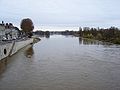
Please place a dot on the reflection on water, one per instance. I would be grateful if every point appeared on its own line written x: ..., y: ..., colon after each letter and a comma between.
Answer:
x: 80, y: 41
x: 47, y: 36
x: 85, y: 41
x: 3, y: 65
x: 29, y: 51
x: 89, y: 42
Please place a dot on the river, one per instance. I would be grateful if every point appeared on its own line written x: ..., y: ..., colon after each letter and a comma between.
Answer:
x: 63, y: 63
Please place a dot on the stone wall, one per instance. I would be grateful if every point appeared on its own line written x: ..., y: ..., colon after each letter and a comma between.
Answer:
x: 11, y: 48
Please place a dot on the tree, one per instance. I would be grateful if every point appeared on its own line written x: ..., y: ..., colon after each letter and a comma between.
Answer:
x: 27, y: 25
x: 80, y: 32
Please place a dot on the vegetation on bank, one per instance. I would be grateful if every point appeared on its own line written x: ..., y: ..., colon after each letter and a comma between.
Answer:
x: 42, y: 33
x: 111, y: 34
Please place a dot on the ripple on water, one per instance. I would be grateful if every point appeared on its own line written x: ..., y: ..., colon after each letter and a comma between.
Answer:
x: 63, y: 63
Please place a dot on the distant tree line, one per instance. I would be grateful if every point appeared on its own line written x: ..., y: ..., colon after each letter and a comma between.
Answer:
x: 67, y: 32
x: 42, y: 33
x: 111, y: 34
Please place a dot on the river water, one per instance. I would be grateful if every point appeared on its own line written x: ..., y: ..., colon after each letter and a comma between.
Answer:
x: 63, y: 63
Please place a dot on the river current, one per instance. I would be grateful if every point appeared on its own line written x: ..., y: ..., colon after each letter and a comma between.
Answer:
x: 63, y: 63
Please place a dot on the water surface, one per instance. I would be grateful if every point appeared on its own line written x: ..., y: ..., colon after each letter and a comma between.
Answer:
x: 63, y: 63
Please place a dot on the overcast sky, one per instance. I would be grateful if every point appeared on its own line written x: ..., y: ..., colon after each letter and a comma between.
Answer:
x: 93, y: 13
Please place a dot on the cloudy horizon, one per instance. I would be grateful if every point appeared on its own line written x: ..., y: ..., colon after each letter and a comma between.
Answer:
x: 92, y: 13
